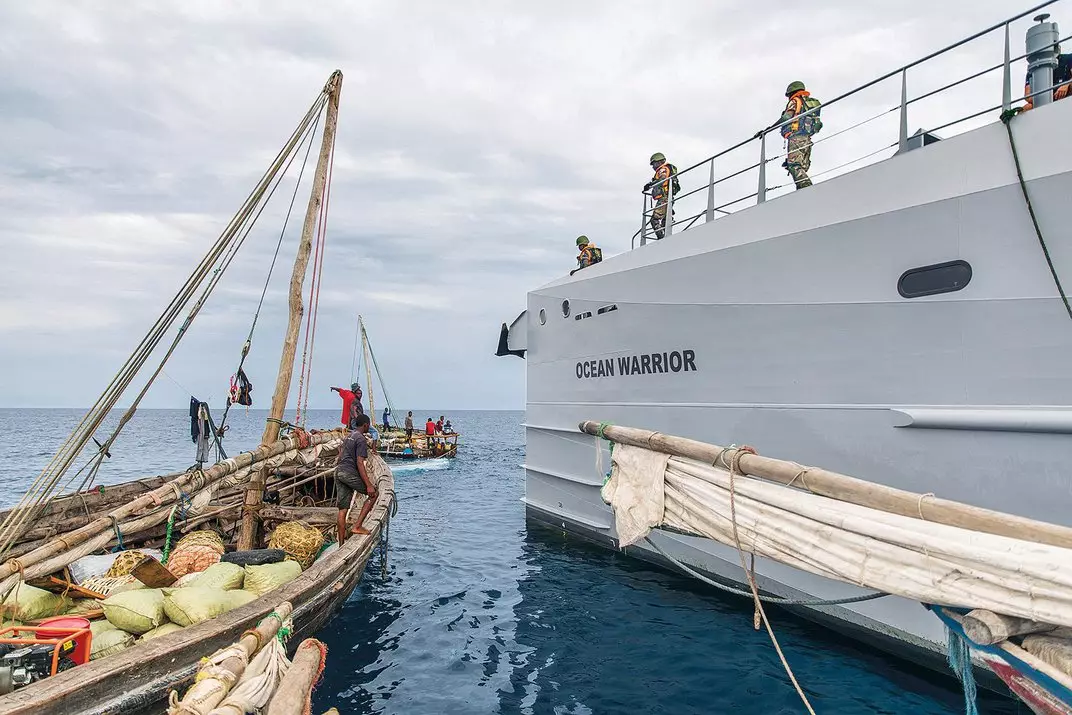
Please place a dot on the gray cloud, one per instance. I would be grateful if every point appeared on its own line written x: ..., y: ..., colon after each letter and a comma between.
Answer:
x: 476, y: 140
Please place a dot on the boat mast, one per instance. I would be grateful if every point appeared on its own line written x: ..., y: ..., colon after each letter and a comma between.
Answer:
x: 297, y: 278
x: 254, y: 496
x: 368, y: 370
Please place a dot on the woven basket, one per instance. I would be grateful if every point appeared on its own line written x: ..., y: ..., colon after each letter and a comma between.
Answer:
x: 124, y: 563
x: 300, y: 541
x: 201, y: 538
x: 106, y: 586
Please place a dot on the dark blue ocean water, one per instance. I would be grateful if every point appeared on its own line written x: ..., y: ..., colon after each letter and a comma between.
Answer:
x: 480, y: 614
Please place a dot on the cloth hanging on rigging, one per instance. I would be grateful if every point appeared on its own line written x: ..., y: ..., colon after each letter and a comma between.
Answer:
x: 203, y: 432
x: 195, y: 426
x: 240, y: 389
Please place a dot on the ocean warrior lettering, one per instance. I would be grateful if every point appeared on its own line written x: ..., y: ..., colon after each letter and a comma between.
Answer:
x: 644, y: 364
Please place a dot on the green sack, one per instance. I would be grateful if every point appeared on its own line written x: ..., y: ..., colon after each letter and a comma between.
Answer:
x: 108, y: 642
x: 239, y: 598
x: 161, y: 631
x: 96, y: 628
x: 268, y: 577
x: 221, y: 575
x: 29, y: 603
x: 193, y: 604
x: 135, y: 612
x: 82, y: 606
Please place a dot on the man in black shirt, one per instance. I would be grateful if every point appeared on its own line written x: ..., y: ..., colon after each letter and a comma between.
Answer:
x: 351, y: 477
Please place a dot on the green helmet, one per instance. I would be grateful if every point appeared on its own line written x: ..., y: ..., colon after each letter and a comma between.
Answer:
x: 794, y: 87
x: 657, y: 156
x: 582, y: 240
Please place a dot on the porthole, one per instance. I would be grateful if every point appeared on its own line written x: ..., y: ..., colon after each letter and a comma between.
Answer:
x: 946, y: 277
x: 543, y: 317
x: 565, y: 309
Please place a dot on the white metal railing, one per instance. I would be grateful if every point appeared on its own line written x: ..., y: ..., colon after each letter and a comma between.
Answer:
x: 701, y: 203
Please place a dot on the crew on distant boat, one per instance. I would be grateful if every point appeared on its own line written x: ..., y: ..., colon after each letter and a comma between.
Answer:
x: 351, y: 404
x: 352, y: 478
x: 386, y: 418
x: 797, y: 132
x: 447, y: 428
x: 660, y: 184
x: 429, y: 428
x: 409, y: 425
x: 439, y: 425
x: 589, y: 254
x: 1062, y: 73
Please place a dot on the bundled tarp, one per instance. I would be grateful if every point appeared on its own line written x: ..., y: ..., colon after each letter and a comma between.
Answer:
x: 930, y: 562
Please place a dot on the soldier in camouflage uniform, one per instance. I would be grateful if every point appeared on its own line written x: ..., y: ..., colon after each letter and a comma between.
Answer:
x: 798, y: 132
x: 660, y: 186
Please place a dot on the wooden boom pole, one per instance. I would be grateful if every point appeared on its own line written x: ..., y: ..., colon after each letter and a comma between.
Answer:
x: 297, y: 278
x: 247, y: 535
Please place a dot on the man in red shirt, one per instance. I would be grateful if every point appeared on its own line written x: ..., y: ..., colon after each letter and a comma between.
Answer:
x: 429, y: 427
x: 351, y: 404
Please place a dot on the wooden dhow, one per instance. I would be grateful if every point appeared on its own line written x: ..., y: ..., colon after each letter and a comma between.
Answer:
x: 288, y: 479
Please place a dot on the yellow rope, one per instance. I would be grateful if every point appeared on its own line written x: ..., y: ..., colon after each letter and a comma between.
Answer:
x: 760, y: 614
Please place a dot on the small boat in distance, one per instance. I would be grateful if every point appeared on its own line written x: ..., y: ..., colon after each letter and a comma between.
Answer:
x: 395, y: 442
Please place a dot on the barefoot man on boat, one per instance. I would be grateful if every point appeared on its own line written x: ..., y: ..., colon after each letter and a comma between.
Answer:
x: 352, y: 479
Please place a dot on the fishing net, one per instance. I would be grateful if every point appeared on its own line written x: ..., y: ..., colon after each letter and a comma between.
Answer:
x: 192, y: 559
x: 300, y: 541
x: 195, y: 552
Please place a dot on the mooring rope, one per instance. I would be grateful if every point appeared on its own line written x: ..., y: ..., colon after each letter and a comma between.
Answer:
x: 761, y: 614
x: 1006, y: 119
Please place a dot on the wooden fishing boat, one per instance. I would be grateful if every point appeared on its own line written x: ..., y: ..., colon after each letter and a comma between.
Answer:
x: 288, y: 478
x: 1000, y: 583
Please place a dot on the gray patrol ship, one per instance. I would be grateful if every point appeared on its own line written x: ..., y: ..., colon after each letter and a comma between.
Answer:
x: 901, y: 321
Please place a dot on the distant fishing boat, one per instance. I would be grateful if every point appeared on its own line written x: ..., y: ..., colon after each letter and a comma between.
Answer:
x: 232, y: 513
x: 393, y: 442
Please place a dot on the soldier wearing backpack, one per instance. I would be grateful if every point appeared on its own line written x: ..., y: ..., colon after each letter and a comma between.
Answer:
x: 660, y: 185
x: 798, y: 130
x: 589, y: 254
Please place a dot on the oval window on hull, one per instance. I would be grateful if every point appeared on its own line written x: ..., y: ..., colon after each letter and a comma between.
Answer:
x: 931, y: 280
x: 565, y: 309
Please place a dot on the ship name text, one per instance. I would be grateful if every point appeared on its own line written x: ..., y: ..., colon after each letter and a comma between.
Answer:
x: 645, y: 364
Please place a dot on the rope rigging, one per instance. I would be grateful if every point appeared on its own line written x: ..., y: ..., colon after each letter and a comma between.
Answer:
x: 204, y: 277
x: 379, y: 376
x: 271, y: 268
x: 305, y: 376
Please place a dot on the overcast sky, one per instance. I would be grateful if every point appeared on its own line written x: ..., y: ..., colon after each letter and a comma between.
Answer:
x: 475, y: 141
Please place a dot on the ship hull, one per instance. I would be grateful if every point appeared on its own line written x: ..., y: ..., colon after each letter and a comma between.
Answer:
x: 787, y: 327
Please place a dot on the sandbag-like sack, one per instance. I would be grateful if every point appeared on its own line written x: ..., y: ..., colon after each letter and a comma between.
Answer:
x: 109, y: 642
x: 162, y: 630
x: 193, y: 604
x: 29, y: 603
x: 262, y: 579
x: 238, y: 598
x: 135, y: 612
x: 221, y: 575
